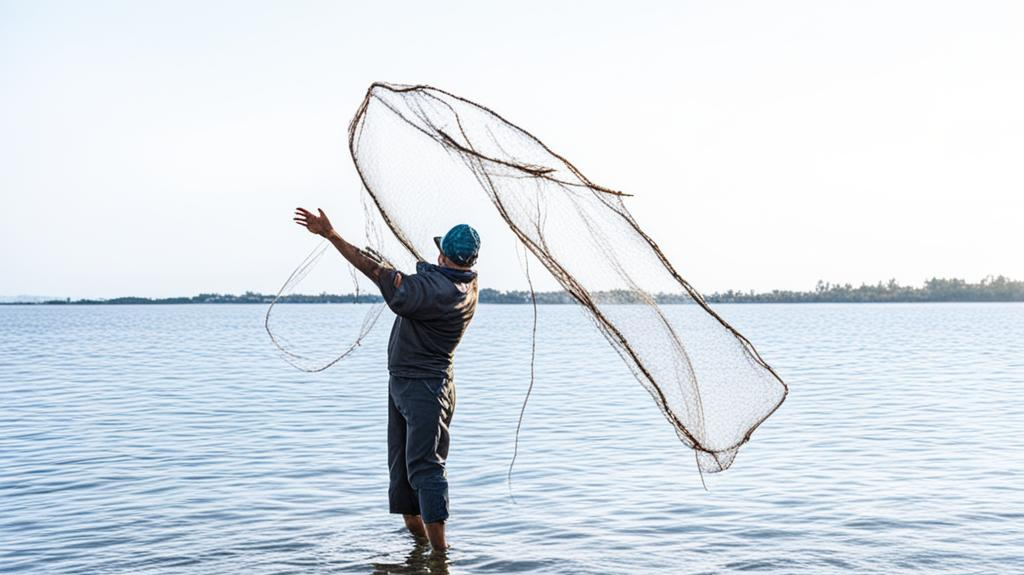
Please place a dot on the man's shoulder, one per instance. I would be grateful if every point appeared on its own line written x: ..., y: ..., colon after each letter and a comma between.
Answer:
x: 425, y: 282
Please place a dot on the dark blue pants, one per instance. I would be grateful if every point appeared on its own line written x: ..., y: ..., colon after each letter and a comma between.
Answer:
x: 419, y: 413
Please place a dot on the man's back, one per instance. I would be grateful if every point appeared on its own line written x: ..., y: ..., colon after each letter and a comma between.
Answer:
x: 433, y: 307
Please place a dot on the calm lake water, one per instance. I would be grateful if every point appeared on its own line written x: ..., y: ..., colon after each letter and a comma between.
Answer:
x: 173, y: 439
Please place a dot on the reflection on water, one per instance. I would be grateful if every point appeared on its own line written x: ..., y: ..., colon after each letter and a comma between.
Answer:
x: 419, y: 560
x: 171, y: 439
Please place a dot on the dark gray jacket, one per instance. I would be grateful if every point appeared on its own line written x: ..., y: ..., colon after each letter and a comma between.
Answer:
x: 434, y: 307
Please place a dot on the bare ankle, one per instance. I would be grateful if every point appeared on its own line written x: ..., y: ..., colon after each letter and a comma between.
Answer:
x: 415, y: 525
x: 435, y: 532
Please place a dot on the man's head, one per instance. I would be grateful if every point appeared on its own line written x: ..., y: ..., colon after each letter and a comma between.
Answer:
x: 459, y: 247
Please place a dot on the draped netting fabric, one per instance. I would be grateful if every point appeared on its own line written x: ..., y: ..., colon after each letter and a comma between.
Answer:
x: 423, y: 154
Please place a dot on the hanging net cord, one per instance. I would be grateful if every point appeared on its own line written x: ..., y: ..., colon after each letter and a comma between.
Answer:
x: 533, y: 374
x: 422, y: 152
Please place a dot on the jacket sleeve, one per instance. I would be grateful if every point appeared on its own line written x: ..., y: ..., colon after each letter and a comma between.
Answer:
x: 411, y: 299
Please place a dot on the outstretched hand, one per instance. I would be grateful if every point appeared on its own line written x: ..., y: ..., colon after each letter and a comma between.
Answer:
x: 318, y: 225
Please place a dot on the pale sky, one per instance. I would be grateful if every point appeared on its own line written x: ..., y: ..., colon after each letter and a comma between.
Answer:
x: 157, y: 148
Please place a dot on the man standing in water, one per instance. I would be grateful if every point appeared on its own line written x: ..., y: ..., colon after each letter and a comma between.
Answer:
x: 433, y: 309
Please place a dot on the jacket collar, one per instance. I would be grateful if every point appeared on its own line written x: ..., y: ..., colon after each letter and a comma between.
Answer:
x: 456, y: 276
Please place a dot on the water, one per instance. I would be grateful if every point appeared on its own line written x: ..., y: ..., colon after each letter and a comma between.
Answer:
x: 172, y: 439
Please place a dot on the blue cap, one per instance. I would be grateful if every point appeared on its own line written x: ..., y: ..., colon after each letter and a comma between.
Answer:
x: 461, y: 245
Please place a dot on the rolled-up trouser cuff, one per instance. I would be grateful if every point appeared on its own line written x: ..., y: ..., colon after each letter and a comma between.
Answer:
x: 403, y: 500
x: 433, y: 504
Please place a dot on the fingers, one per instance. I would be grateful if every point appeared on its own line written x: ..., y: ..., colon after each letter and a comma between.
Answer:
x: 306, y: 218
x: 302, y: 217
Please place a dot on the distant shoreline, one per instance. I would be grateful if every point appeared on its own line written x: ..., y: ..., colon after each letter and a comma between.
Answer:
x: 990, y: 289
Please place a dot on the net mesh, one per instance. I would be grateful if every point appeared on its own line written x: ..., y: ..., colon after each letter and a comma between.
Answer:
x: 424, y: 155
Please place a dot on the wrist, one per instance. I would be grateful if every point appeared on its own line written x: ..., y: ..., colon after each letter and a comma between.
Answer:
x: 328, y: 233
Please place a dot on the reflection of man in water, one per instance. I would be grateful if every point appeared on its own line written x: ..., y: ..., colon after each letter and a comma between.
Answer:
x: 433, y: 308
x: 419, y: 560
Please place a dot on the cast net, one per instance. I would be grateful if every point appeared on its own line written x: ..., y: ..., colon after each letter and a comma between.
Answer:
x: 423, y: 154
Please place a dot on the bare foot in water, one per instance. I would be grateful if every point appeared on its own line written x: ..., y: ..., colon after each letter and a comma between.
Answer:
x: 434, y: 532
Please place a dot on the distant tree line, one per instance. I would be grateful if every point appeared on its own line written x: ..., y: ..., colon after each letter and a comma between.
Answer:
x: 992, y: 288
x: 247, y: 297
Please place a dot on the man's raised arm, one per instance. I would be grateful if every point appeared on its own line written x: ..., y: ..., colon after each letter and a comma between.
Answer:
x: 321, y: 226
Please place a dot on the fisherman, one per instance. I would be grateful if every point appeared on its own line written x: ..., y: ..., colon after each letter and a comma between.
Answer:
x: 433, y: 307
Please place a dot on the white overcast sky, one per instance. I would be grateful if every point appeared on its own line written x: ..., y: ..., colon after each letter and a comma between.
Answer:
x: 157, y: 148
